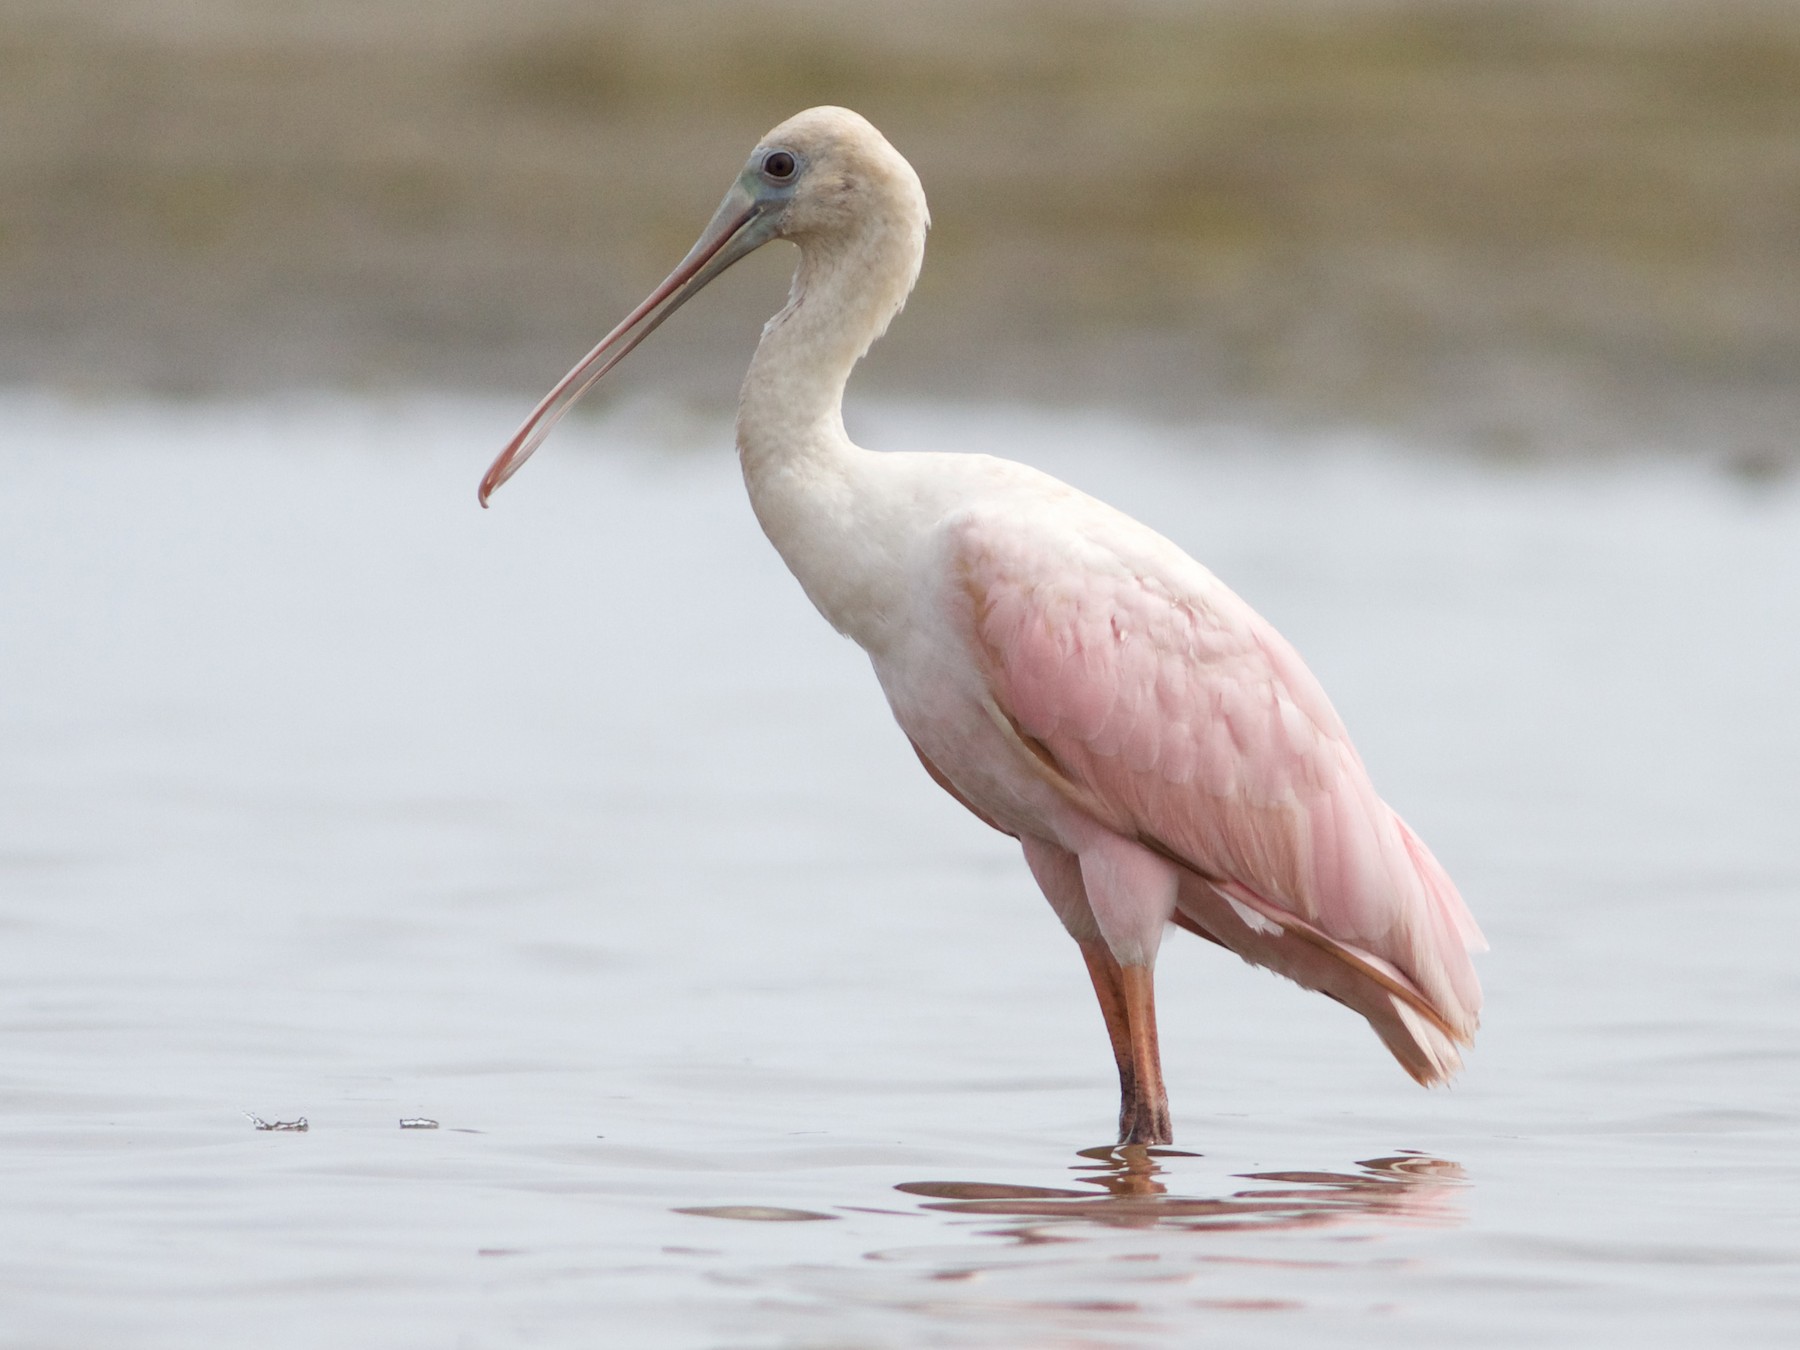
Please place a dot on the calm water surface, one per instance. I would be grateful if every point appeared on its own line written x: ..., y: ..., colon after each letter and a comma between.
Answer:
x: 571, y: 827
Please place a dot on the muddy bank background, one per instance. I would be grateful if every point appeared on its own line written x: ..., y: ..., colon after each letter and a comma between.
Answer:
x: 1523, y: 229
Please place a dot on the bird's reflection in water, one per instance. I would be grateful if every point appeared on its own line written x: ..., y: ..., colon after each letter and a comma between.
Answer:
x: 1126, y: 1190
x: 1117, y: 1254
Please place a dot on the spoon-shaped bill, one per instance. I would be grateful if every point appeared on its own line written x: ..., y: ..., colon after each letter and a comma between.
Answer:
x: 742, y: 224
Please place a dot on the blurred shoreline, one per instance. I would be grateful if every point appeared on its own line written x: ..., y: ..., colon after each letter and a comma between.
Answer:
x: 1522, y: 229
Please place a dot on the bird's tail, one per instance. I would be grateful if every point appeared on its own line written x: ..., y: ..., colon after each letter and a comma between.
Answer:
x: 1421, y: 1035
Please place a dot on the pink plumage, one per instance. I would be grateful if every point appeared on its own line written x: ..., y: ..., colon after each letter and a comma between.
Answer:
x: 1167, y: 700
x: 1071, y: 677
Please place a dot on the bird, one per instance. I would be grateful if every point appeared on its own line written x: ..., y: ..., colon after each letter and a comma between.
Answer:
x: 1073, y: 678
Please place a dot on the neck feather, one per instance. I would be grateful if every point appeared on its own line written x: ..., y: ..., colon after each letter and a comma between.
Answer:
x: 846, y: 290
x: 806, y: 480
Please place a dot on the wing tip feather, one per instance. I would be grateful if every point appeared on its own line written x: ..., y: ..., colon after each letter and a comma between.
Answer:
x: 1426, y: 1053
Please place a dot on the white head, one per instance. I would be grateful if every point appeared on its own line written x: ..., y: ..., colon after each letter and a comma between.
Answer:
x: 825, y: 179
x: 847, y: 178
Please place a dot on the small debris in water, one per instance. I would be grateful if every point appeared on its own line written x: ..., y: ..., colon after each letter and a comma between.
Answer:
x: 296, y: 1126
x: 764, y: 1213
x: 417, y: 1123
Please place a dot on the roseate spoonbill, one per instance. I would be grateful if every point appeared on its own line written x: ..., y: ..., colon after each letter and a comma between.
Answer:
x: 1071, y: 677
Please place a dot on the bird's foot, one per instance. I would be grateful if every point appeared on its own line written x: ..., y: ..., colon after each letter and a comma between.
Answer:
x: 1144, y: 1119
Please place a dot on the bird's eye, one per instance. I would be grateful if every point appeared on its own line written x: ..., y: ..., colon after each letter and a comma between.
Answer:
x: 779, y: 166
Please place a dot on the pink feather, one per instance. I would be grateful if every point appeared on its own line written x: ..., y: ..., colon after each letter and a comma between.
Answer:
x: 1162, y: 695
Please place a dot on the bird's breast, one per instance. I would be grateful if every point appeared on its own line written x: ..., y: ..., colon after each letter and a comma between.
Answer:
x: 940, y: 698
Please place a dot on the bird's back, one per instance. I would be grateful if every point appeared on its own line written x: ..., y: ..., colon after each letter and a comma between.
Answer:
x: 1169, y: 704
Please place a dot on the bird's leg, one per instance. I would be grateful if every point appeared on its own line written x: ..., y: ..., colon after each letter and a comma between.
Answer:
x: 1136, y: 890
x: 1144, y: 1117
x: 1128, y: 1002
x: 1132, y: 893
x: 1109, y: 988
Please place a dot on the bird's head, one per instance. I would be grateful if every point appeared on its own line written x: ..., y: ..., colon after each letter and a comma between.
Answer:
x: 822, y: 176
x: 847, y: 177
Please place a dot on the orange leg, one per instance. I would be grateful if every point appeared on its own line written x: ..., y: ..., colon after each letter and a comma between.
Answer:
x: 1127, y: 1002
x: 1109, y: 989
x: 1148, y: 1108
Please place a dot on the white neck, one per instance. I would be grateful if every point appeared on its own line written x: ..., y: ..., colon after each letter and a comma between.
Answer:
x: 800, y: 467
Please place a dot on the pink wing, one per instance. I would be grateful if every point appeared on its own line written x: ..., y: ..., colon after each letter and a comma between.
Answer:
x: 1172, y: 705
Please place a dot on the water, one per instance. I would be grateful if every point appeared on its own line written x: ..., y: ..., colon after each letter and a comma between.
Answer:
x: 570, y: 827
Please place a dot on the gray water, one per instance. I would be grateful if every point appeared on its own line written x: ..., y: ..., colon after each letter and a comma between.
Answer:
x: 569, y: 826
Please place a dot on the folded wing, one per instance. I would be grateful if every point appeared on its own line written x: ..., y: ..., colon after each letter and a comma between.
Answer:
x: 1179, y: 715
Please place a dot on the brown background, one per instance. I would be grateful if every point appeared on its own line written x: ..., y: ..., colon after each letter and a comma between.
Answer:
x: 1525, y: 228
